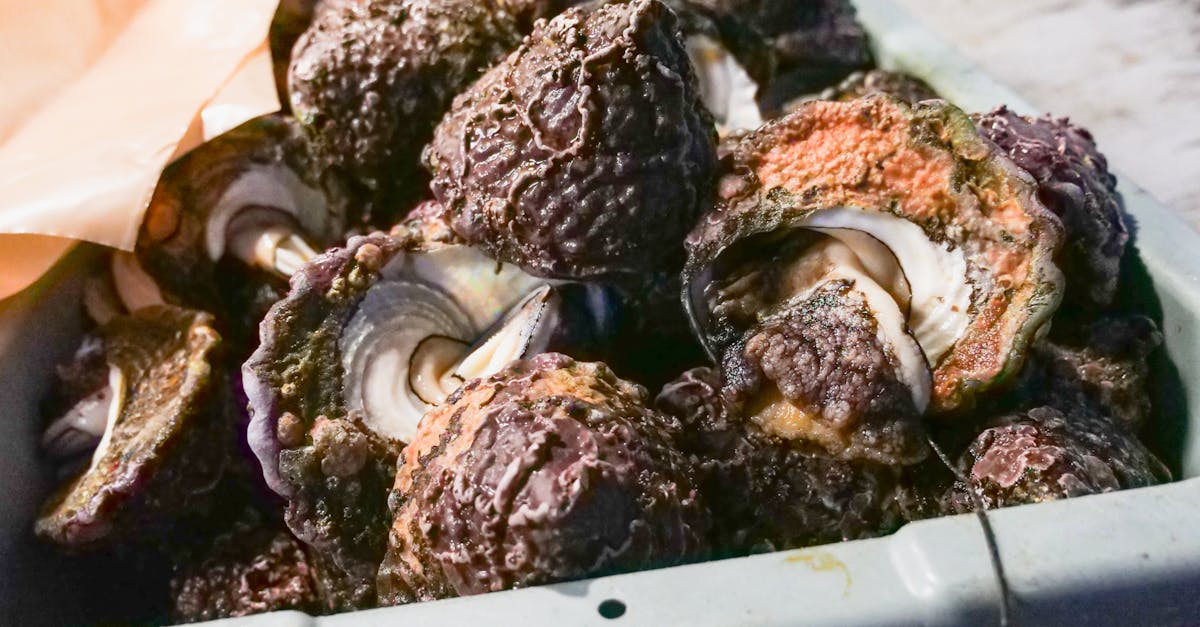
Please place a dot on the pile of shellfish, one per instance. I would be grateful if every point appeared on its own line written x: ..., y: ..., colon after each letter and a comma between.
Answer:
x: 605, y: 286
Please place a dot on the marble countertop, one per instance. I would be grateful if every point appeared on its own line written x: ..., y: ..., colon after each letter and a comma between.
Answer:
x: 1128, y: 70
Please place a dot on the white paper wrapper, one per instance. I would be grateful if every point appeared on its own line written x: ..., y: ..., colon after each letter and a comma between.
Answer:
x: 104, y: 93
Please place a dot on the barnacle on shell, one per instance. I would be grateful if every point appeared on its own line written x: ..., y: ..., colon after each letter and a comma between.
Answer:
x: 550, y: 470
x: 586, y: 153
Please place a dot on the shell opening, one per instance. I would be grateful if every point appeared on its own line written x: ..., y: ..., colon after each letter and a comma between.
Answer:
x: 831, y: 259
x: 869, y: 362
x: 276, y: 248
x: 940, y: 297
x: 431, y: 372
x: 521, y: 333
x: 87, y: 425
x: 261, y: 218
x: 432, y: 322
x: 804, y: 265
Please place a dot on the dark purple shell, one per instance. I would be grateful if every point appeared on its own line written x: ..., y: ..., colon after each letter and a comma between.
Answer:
x: 370, y: 79
x: 252, y: 568
x: 586, y: 152
x: 767, y: 494
x: 1104, y: 372
x: 1044, y: 455
x: 529, y: 12
x: 812, y: 44
x: 1074, y: 182
x: 551, y: 470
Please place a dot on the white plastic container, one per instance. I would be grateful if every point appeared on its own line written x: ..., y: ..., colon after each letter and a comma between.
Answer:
x: 1118, y: 559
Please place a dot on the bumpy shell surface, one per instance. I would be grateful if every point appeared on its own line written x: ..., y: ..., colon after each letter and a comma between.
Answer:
x: 173, y: 242
x: 371, y: 78
x: 767, y: 494
x: 169, y: 443
x: 586, y: 152
x: 1074, y: 182
x: 1105, y: 375
x: 926, y: 164
x: 551, y: 470
x: 528, y: 12
x: 1044, y: 455
x: 334, y: 470
x: 257, y: 566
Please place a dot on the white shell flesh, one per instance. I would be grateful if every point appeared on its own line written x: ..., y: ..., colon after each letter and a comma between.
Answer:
x: 275, y: 248
x: 892, y: 331
x: 117, y: 391
x: 725, y: 86
x: 134, y: 286
x: 512, y: 339
x: 378, y: 344
x: 431, y: 373
x: 935, y: 273
x: 406, y: 347
x: 267, y: 186
x: 86, y: 423
x: 877, y: 261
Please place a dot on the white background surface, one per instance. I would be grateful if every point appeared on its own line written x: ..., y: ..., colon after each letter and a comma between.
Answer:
x: 1128, y: 70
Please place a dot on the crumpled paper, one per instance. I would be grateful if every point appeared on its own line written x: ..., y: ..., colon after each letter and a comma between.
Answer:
x: 99, y: 95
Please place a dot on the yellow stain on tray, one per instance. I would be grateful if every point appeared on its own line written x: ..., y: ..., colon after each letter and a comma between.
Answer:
x: 822, y: 562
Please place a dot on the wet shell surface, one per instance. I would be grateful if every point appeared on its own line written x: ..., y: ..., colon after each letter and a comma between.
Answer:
x: 551, y: 470
x: 910, y: 187
x: 370, y: 338
x: 370, y: 79
x: 769, y: 493
x: 586, y: 153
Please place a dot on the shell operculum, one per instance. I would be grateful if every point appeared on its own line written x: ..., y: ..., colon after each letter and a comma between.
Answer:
x: 831, y: 260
